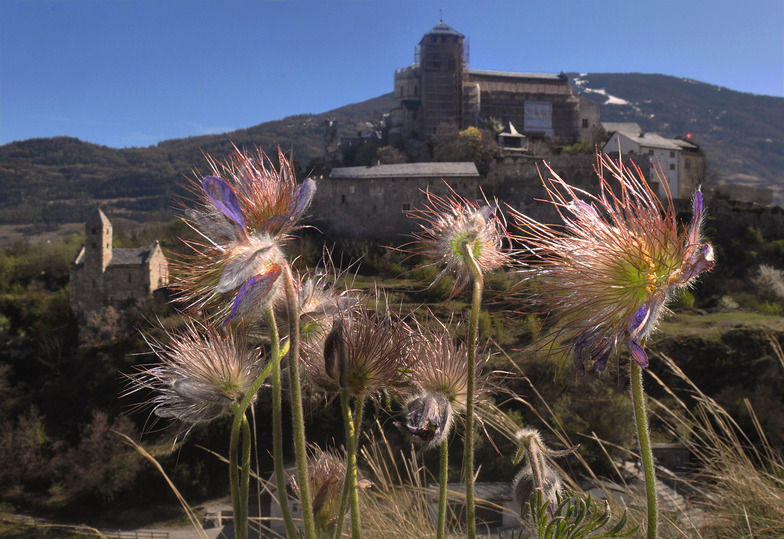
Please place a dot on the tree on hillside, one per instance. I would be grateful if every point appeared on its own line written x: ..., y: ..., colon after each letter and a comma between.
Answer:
x: 470, y: 144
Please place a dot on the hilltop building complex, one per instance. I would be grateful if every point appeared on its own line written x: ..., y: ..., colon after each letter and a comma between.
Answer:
x: 439, y: 87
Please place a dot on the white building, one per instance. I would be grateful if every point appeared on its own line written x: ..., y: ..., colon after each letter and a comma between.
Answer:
x: 680, y: 161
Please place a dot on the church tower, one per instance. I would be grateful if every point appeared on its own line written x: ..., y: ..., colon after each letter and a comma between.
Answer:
x: 442, y: 67
x: 97, y: 244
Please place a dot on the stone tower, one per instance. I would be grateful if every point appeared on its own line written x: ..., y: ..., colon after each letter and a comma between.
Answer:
x: 442, y: 67
x: 97, y: 244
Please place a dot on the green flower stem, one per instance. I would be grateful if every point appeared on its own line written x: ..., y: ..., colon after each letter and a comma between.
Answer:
x: 277, y: 427
x: 536, y: 466
x: 442, y: 480
x: 646, y: 453
x: 297, y: 413
x: 239, y: 410
x: 359, y: 406
x: 245, y: 473
x: 473, y: 328
x: 233, y: 477
x: 350, y: 488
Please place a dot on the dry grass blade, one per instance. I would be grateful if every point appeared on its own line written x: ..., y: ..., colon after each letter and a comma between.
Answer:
x: 740, y: 482
x: 188, y: 511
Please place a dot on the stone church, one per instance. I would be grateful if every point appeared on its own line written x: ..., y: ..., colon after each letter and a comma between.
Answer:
x: 102, y: 276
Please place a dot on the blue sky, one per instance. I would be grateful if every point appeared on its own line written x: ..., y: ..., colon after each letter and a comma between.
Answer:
x: 133, y: 73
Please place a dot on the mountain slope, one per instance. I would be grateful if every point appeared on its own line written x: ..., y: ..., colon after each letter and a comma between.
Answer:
x: 57, y: 180
x: 50, y: 181
x: 742, y: 133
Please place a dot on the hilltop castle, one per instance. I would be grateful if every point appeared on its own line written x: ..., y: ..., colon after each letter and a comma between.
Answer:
x: 102, y: 276
x: 439, y: 87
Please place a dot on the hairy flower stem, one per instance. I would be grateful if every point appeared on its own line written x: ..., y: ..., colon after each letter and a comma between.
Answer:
x: 277, y: 427
x: 233, y: 477
x: 245, y: 472
x: 443, y: 476
x: 350, y: 488
x: 240, y: 486
x: 536, y: 467
x: 298, y: 418
x: 646, y: 453
x: 473, y: 327
x: 359, y: 406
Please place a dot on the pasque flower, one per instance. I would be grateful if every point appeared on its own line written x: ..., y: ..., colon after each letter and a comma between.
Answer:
x: 537, y: 473
x: 247, y: 210
x: 365, y: 352
x: 607, y: 274
x: 452, y: 226
x: 439, y: 377
x: 202, y: 372
x: 326, y: 475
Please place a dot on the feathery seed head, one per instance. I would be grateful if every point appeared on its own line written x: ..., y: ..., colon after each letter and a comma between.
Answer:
x: 537, y: 474
x: 429, y: 418
x: 246, y: 211
x: 364, y: 353
x: 439, y: 376
x: 609, y: 271
x: 454, y: 229
x: 326, y: 475
x: 203, y: 372
x: 319, y: 304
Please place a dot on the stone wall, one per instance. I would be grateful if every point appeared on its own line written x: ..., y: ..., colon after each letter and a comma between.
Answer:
x: 375, y: 209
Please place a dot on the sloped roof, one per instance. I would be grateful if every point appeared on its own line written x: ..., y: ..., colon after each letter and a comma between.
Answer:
x: 512, y: 75
x: 98, y: 217
x: 443, y: 29
x: 651, y: 140
x: 510, y: 131
x: 130, y: 257
x: 632, y: 129
x: 407, y: 170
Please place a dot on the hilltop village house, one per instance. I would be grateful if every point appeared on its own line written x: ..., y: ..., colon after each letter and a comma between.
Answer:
x: 680, y: 161
x: 439, y: 87
x: 102, y: 276
x: 371, y: 202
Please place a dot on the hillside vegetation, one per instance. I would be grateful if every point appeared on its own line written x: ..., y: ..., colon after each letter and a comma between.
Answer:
x: 48, y: 182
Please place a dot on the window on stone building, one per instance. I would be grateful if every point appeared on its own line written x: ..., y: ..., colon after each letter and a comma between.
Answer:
x: 585, y: 123
x: 93, y: 245
x: 650, y: 152
x: 672, y: 166
x: 130, y: 278
x: 95, y: 230
x: 672, y: 155
x: 402, y: 91
x: 406, y: 207
x: 687, y: 164
x: 342, y: 199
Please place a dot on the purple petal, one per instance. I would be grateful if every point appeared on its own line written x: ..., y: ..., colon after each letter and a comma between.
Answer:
x: 253, y: 291
x: 583, y: 210
x: 638, y: 320
x: 305, y: 193
x: 275, y: 224
x: 240, y: 269
x: 637, y: 352
x: 224, y: 198
x: 702, y: 260
x: 697, y: 205
x: 600, y: 360
x: 487, y: 211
